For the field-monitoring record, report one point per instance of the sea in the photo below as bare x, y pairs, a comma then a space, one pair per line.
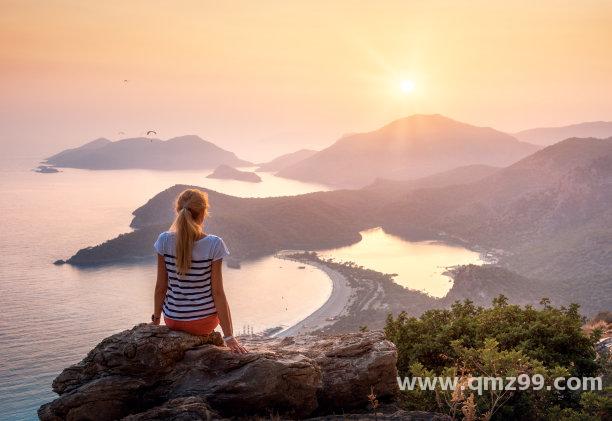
53, 315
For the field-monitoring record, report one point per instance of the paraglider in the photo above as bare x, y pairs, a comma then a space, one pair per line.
151, 132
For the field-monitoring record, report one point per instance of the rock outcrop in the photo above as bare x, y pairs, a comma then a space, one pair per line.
150, 372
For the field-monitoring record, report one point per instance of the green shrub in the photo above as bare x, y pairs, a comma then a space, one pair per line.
503, 340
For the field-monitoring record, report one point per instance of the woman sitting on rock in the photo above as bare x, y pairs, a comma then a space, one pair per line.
189, 287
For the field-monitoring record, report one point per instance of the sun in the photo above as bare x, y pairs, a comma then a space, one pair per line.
407, 86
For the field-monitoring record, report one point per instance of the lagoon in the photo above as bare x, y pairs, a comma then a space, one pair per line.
419, 265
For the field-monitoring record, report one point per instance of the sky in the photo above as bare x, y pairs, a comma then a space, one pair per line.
269, 77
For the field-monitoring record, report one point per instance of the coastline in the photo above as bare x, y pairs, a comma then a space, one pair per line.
336, 305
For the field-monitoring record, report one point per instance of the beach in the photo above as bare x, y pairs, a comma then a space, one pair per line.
336, 305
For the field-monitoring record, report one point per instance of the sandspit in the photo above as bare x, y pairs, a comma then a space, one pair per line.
336, 305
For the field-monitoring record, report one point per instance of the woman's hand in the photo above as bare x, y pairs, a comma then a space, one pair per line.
223, 311
155, 320
233, 344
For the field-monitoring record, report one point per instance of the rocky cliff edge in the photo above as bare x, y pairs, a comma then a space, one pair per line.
151, 372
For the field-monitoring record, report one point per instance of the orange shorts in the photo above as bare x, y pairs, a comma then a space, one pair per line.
198, 327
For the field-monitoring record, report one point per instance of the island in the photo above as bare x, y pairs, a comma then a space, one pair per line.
45, 169
225, 172
179, 153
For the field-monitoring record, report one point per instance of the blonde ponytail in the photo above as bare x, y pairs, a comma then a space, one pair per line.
191, 208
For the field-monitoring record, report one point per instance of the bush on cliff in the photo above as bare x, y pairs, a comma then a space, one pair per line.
503, 340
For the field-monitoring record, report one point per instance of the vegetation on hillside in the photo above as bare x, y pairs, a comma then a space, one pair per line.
377, 294
504, 340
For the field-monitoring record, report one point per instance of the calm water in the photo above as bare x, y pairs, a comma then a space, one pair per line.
53, 315
418, 265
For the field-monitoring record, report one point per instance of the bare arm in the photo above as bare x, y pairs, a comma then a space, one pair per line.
223, 311
160, 289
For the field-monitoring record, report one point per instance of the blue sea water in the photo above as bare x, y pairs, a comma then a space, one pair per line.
53, 315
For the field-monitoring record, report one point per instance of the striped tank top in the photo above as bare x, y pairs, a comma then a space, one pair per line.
189, 296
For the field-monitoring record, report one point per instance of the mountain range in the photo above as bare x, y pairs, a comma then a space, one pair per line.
547, 218
409, 148
550, 135
286, 160
184, 152
412, 147
456, 176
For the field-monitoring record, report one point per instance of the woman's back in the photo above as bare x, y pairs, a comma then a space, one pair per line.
189, 296
189, 287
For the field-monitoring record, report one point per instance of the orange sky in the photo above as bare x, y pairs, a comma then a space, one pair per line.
262, 78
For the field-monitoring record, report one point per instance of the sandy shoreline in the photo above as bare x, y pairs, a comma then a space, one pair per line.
336, 305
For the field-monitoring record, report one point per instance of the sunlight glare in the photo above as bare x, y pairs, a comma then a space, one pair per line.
407, 86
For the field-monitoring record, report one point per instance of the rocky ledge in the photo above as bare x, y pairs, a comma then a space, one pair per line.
150, 372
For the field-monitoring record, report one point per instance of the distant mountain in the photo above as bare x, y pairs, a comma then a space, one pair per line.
286, 160
184, 152
88, 147
460, 175
230, 173
411, 147
550, 135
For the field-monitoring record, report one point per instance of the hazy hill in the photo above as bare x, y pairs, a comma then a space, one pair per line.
184, 152
411, 147
551, 213
461, 175
286, 160
87, 147
230, 173
550, 135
